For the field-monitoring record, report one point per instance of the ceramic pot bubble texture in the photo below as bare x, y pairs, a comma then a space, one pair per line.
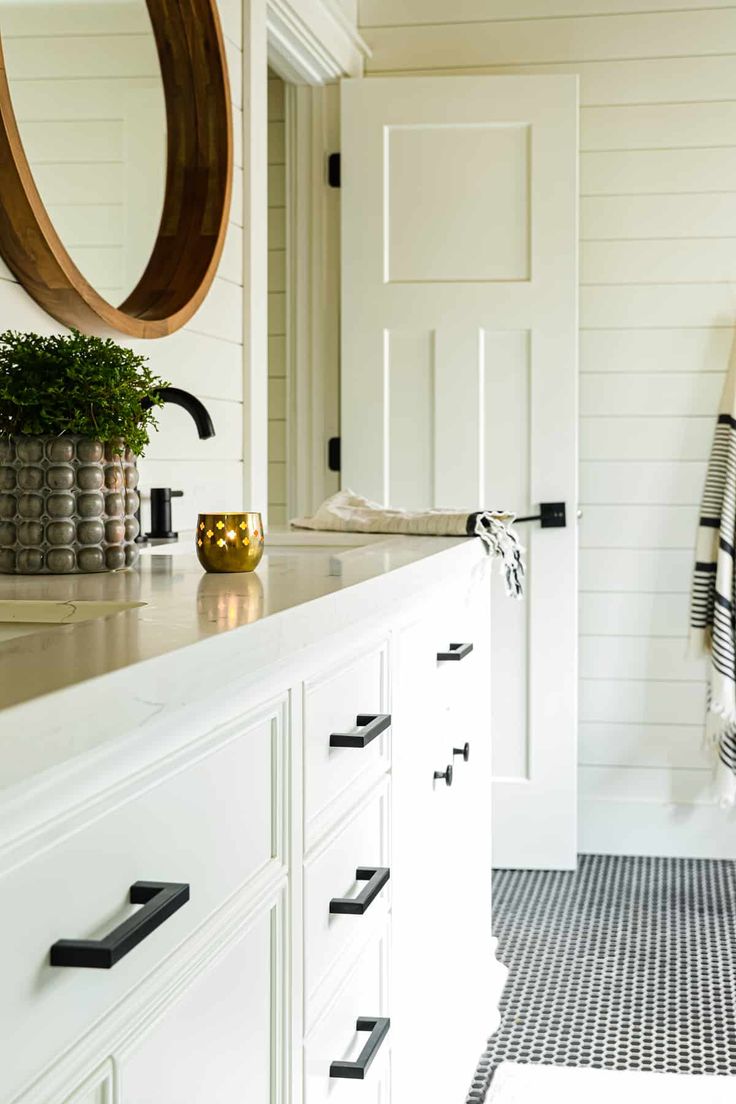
67, 506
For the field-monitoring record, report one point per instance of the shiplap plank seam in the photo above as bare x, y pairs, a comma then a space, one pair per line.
400, 13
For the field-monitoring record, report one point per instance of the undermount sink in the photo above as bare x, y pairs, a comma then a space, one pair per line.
20, 616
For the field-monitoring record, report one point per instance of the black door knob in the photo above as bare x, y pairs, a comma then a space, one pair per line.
446, 774
464, 751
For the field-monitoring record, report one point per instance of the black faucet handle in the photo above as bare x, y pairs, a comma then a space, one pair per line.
161, 514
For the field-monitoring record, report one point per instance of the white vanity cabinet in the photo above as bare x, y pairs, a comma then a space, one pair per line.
335, 946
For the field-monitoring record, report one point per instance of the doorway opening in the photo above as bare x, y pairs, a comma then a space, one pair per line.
303, 294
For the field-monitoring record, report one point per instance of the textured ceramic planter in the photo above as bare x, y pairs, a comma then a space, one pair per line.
67, 506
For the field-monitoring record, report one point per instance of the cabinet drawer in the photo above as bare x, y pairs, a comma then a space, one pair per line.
330, 876
332, 704
335, 1037
213, 825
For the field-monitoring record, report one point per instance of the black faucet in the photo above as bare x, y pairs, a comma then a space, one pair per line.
161, 530
191, 404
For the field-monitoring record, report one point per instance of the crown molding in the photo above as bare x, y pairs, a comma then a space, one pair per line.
313, 42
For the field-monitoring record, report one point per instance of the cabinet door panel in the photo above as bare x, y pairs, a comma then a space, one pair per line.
463, 707
445, 979
418, 863
214, 1044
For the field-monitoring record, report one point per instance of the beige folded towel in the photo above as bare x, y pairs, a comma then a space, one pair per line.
348, 512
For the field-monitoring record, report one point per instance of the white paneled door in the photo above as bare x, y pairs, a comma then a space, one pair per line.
459, 377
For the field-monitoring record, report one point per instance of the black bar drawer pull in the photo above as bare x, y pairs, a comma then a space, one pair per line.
367, 727
456, 652
161, 900
376, 877
356, 1071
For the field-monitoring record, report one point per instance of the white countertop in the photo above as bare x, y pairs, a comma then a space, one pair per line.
183, 604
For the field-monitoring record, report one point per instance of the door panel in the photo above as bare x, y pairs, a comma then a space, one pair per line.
459, 376
425, 189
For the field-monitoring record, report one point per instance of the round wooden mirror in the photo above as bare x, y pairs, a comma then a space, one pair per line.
196, 201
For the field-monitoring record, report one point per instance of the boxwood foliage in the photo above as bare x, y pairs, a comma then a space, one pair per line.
72, 383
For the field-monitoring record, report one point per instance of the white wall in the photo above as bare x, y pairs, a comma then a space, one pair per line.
658, 268
277, 509
349, 9
206, 357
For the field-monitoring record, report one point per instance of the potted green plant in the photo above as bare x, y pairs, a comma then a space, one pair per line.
75, 413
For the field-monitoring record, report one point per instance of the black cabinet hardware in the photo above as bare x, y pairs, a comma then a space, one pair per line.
356, 1071
367, 727
552, 515
456, 652
376, 876
446, 774
464, 751
160, 900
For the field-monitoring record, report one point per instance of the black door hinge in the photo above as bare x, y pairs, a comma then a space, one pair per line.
333, 454
334, 170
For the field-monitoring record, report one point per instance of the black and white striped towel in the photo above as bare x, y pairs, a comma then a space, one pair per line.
713, 614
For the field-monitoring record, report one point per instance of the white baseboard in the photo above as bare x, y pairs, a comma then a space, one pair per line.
517, 1084
649, 828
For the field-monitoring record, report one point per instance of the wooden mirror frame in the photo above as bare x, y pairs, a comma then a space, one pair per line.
199, 172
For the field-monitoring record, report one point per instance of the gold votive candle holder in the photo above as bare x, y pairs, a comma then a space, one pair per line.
229, 542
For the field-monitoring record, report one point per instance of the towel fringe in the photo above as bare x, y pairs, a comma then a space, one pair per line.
500, 540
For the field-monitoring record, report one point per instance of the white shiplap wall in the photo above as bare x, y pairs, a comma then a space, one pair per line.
277, 508
658, 292
206, 357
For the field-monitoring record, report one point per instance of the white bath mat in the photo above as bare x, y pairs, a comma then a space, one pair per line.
514, 1083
